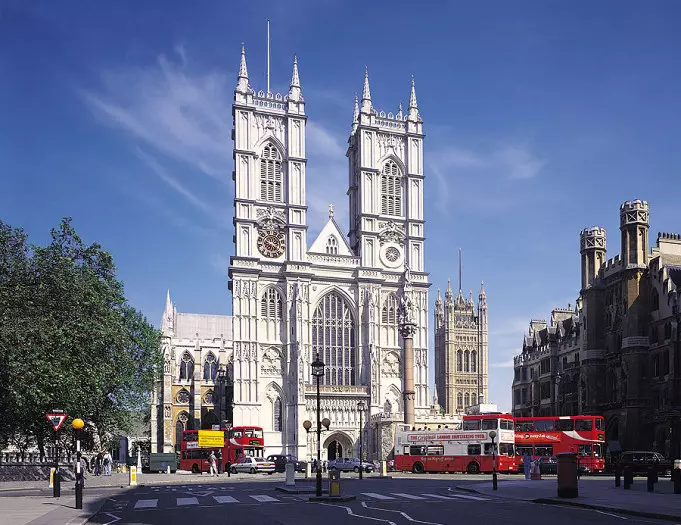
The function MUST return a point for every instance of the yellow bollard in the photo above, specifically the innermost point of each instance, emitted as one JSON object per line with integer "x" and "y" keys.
{"x": 133, "y": 476}
{"x": 384, "y": 469}
{"x": 52, "y": 471}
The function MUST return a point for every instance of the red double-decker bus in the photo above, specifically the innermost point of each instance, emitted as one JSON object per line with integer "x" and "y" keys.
{"x": 466, "y": 447}
{"x": 548, "y": 436}
{"x": 239, "y": 442}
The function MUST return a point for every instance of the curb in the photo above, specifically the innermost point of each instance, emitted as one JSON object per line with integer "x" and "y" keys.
{"x": 641, "y": 514}
{"x": 468, "y": 489}
{"x": 288, "y": 490}
{"x": 325, "y": 499}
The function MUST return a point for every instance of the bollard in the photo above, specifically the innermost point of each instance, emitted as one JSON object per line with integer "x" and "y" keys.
{"x": 168, "y": 469}
{"x": 229, "y": 469}
{"x": 308, "y": 469}
{"x": 384, "y": 469}
{"x": 56, "y": 490}
{"x": 133, "y": 476}
{"x": 290, "y": 475}
{"x": 676, "y": 479}
{"x": 628, "y": 478}
{"x": 650, "y": 481}
{"x": 618, "y": 475}
{"x": 52, "y": 470}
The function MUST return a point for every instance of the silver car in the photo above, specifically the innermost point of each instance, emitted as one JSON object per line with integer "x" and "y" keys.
{"x": 253, "y": 465}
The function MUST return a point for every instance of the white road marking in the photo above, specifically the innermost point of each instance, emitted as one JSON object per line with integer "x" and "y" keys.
{"x": 146, "y": 504}
{"x": 262, "y": 498}
{"x": 187, "y": 501}
{"x": 349, "y": 511}
{"x": 407, "y": 496}
{"x": 476, "y": 498}
{"x": 403, "y": 514}
{"x": 438, "y": 496}
{"x": 225, "y": 499}
{"x": 377, "y": 496}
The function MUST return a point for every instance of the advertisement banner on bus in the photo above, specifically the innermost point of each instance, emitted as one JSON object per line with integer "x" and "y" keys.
{"x": 454, "y": 436}
{"x": 211, "y": 438}
{"x": 535, "y": 437}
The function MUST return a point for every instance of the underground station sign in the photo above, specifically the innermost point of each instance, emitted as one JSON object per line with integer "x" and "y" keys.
{"x": 211, "y": 438}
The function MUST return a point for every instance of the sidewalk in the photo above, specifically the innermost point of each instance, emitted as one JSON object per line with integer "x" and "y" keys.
{"x": 47, "y": 511}
{"x": 594, "y": 493}
{"x": 115, "y": 480}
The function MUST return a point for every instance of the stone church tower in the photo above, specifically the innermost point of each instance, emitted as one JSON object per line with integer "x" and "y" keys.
{"x": 461, "y": 350}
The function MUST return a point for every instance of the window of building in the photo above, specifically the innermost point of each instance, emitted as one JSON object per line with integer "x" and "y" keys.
{"x": 654, "y": 335}
{"x": 270, "y": 174}
{"x": 459, "y": 401}
{"x": 466, "y": 400}
{"x": 516, "y": 374}
{"x": 459, "y": 361}
{"x": 474, "y": 361}
{"x": 524, "y": 373}
{"x": 665, "y": 362}
{"x": 333, "y": 337}
{"x": 667, "y": 330}
{"x": 516, "y": 396}
{"x": 655, "y": 301}
{"x": 656, "y": 365}
{"x": 545, "y": 390}
{"x": 332, "y": 245}
{"x": 389, "y": 310}
{"x": 210, "y": 367}
{"x": 466, "y": 359}
{"x": 187, "y": 366}
{"x": 276, "y": 412}
{"x": 270, "y": 305}
{"x": 545, "y": 366}
{"x": 391, "y": 189}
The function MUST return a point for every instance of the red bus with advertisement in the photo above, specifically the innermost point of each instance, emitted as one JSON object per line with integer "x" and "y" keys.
{"x": 548, "y": 436}
{"x": 238, "y": 442}
{"x": 466, "y": 447}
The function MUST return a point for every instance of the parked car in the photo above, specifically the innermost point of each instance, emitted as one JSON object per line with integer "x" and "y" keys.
{"x": 351, "y": 464}
{"x": 280, "y": 461}
{"x": 252, "y": 465}
{"x": 640, "y": 461}
{"x": 548, "y": 465}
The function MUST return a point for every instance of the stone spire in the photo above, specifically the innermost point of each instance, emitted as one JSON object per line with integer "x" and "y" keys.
{"x": 168, "y": 320}
{"x": 366, "y": 93}
{"x": 400, "y": 116}
{"x": 482, "y": 298}
{"x": 242, "y": 79}
{"x": 438, "y": 300}
{"x": 294, "y": 92}
{"x": 413, "y": 110}
{"x": 355, "y": 115}
{"x": 435, "y": 399}
{"x": 448, "y": 292}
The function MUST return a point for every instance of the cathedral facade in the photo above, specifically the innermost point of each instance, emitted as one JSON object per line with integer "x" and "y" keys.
{"x": 461, "y": 350}
{"x": 339, "y": 297}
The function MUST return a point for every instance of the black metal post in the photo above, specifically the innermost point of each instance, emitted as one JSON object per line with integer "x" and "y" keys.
{"x": 319, "y": 444}
{"x": 79, "y": 474}
{"x": 56, "y": 482}
{"x": 494, "y": 465}
{"x": 361, "y": 467}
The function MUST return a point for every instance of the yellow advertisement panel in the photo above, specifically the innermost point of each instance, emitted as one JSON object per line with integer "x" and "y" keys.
{"x": 212, "y": 438}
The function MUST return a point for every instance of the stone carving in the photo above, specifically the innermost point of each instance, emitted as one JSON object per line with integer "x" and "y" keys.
{"x": 271, "y": 362}
{"x": 166, "y": 412}
{"x": 391, "y": 365}
{"x": 166, "y": 367}
{"x": 268, "y": 124}
{"x": 390, "y": 232}
{"x": 389, "y": 143}
{"x": 272, "y": 393}
{"x": 406, "y": 311}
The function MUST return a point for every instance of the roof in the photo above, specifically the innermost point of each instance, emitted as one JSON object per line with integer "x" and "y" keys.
{"x": 331, "y": 228}
{"x": 207, "y": 326}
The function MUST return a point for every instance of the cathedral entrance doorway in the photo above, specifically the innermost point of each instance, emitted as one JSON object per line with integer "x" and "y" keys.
{"x": 337, "y": 445}
{"x": 334, "y": 450}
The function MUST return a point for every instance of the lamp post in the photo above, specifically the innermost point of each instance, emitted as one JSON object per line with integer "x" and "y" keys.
{"x": 360, "y": 406}
{"x": 492, "y": 436}
{"x": 318, "y": 372}
{"x": 77, "y": 425}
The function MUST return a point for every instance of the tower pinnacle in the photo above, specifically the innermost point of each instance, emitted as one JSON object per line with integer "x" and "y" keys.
{"x": 294, "y": 92}
{"x": 366, "y": 93}
{"x": 355, "y": 114}
{"x": 242, "y": 79}
{"x": 413, "y": 110}
{"x": 400, "y": 116}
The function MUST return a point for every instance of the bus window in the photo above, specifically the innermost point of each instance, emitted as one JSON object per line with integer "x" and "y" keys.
{"x": 237, "y": 434}
{"x": 436, "y": 450}
{"x": 524, "y": 426}
{"x": 545, "y": 425}
{"x": 546, "y": 450}
{"x": 597, "y": 450}
{"x": 506, "y": 424}
{"x": 585, "y": 450}
{"x": 521, "y": 450}
{"x": 565, "y": 425}
{"x": 417, "y": 450}
{"x": 473, "y": 424}
{"x": 583, "y": 424}
{"x": 488, "y": 448}
{"x": 506, "y": 449}
{"x": 474, "y": 450}
{"x": 600, "y": 425}
{"x": 489, "y": 424}
{"x": 239, "y": 453}
{"x": 406, "y": 450}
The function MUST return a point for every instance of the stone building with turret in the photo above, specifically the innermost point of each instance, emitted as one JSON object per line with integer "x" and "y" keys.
{"x": 617, "y": 353}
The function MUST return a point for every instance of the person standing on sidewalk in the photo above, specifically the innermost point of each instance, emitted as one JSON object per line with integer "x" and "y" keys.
{"x": 213, "y": 467}
{"x": 106, "y": 460}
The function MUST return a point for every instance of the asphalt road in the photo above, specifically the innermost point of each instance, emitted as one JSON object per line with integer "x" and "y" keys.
{"x": 391, "y": 502}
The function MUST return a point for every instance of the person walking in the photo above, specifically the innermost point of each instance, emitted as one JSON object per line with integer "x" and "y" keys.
{"x": 98, "y": 464}
{"x": 106, "y": 461}
{"x": 213, "y": 466}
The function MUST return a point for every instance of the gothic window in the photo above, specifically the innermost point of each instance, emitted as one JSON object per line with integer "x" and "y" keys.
{"x": 210, "y": 367}
{"x": 276, "y": 412}
{"x": 459, "y": 361}
{"x": 655, "y": 303}
{"x": 332, "y": 245}
{"x": 466, "y": 357}
{"x": 459, "y": 400}
{"x": 387, "y": 408}
{"x": 391, "y": 189}
{"x": 183, "y": 397}
{"x": 187, "y": 366}
{"x": 389, "y": 310}
{"x": 333, "y": 336}
{"x": 474, "y": 361}
{"x": 270, "y": 174}
{"x": 270, "y": 305}
{"x": 466, "y": 400}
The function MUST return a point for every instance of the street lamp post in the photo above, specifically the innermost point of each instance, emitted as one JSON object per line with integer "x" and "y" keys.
{"x": 77, "y": 425}
{"x": 360, "y": 406}
{"x": 493, "y": 436}
{"x": 318, "y": 372}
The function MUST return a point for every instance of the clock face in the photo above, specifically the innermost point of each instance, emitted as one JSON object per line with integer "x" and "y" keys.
{"x": 271, "y": 244}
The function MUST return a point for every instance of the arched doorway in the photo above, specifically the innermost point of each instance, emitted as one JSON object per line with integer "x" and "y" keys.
{"x": 334, "y": 450}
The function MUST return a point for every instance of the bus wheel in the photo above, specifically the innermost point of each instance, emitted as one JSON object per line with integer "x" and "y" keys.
{"x": 417, "y": 468}
{"x": 473, "y": 468}
{"x": 195, "y": 468}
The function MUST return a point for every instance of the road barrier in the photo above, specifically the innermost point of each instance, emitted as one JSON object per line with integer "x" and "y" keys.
{"x": 133, "y": 476}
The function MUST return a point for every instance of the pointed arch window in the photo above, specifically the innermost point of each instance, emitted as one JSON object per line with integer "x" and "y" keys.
{"x": 655, "y": 300}
{"x": 270, "y": 305}
{"x": 466, "y": 361}
{"x": 391, "y": 189}
{"x": 466, "y": 400}
{"x": 332, "y": 245}
{"x": 276, "y": 413}
{"x": 210, "y": 367}
{"x": 187, "y": 366}
{"x": 474, "y": 361}
{"x": 333, "y": 336}
{"x": 270, "y": 174}
{"x": 389, "y": 310}
{"x": 459, "y": 361}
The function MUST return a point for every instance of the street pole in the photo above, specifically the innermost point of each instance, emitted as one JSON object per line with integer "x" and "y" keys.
{"x": 56, "y": 488}
{"x": 360, "y": 408}
{"x": 77, "y": 425}
{"x": 493, "y": 435}
{"x": 319, "y": 443}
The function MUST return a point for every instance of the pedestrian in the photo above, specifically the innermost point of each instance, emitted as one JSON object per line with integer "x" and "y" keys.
{"x": 98, "y": 464}
{"x": 106, "y": 462}
{"x": 213, "y": 468}
{"x": 219, "y": 456}
{"x": 527, "y": 459}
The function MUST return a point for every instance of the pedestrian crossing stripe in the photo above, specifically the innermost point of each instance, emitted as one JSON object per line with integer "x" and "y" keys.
{"x": 407, "y": 496}
{"x": 377, "y": 496}
{"x": 187, "y": 501}
{"x": 263, "y": 499}
{"x": 146, "y": 504}
{"x": 225, "y": 499}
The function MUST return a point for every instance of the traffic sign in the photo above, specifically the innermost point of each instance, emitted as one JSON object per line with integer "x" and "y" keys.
{"x": 56, "y": 420}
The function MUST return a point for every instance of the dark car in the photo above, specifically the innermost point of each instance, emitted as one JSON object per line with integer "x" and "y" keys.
{"x": 280, "y": 461}
{"x": 641, "y": 461}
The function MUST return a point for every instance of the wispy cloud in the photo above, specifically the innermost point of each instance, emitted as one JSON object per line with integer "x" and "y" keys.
{"x": 479, "y": 181}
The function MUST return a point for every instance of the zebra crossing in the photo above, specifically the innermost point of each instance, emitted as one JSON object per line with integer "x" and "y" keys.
{"x": 254, "y": 499}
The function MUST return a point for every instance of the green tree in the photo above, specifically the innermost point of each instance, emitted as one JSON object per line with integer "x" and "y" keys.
{"x": 68, "y": 338}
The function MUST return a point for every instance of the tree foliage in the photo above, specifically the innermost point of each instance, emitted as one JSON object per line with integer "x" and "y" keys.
{"x": 68, "y": 338}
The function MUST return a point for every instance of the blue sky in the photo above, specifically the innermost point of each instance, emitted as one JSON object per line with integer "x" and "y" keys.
{"x": 541, "y": 118}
